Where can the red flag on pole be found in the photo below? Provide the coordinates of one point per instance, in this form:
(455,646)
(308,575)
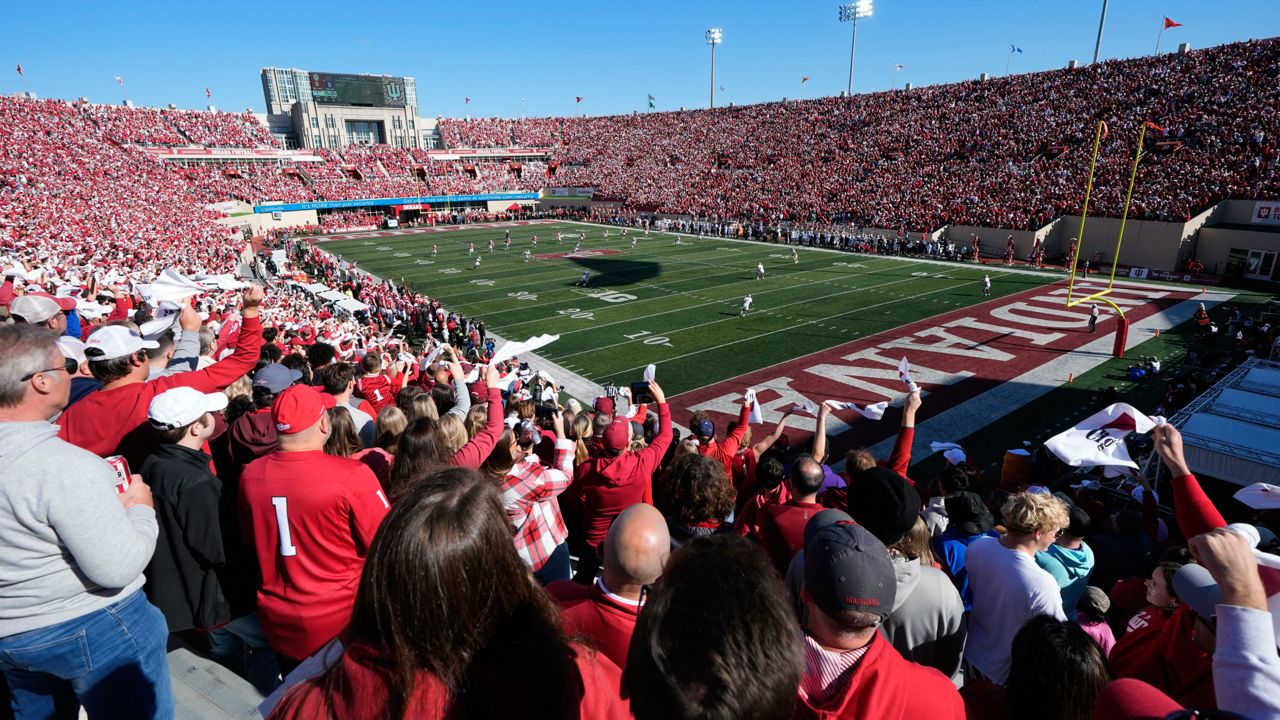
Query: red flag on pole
(467,100)
(1153,126)
(577,98)
(206,91)
(1171,24)
(20,69)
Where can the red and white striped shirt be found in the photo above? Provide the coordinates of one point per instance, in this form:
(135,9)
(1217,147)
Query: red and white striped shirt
(529,495)
(827,674)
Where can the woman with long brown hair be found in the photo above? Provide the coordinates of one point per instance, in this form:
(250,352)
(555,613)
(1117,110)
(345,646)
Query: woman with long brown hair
(448,623)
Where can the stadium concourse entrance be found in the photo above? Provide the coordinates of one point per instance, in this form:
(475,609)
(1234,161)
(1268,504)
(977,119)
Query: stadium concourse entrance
(366,132)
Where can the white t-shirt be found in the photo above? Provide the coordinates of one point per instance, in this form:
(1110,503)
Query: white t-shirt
(1008,590)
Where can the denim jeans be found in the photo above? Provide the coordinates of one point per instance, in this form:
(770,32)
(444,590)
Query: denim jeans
(556,567)
(242,647)
(112,661)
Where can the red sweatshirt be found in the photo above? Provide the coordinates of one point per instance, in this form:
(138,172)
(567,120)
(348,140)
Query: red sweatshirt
(724,450)
(608,621)
(379,390)
(363,679)
(473,454)
(886,686)
(782,530)
(613,484)
(111,422)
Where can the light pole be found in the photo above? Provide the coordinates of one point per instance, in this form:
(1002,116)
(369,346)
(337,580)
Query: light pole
(714,37)
(850,13)
(1102,20)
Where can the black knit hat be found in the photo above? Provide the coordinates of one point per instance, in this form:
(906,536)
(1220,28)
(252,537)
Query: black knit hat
(884,503)
(966,513)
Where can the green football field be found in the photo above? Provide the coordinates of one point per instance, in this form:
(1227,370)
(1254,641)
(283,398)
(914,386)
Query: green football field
(673,306)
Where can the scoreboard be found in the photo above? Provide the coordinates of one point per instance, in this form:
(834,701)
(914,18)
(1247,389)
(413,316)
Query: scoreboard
(362,90)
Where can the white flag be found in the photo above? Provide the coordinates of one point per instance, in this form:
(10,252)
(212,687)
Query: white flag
(754,416)
(1099,439)
(904,372)
(874,411)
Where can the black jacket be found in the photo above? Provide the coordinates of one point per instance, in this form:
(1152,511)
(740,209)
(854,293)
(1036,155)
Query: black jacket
(182,579)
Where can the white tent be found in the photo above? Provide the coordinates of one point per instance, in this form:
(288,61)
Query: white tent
(1232,431)
(334,296)
(351,305)
(317,288)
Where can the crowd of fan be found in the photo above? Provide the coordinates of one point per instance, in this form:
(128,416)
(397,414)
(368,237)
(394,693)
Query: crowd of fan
(1011,152)
(377,515)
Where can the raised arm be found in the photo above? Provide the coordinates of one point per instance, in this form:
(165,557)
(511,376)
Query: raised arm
(820,433)
(1194,510)
(226,371)
(733,440)
(900,459)
(478,448)
(763,446)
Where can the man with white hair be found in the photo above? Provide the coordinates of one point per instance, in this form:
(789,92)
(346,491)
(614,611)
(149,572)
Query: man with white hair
(75,627)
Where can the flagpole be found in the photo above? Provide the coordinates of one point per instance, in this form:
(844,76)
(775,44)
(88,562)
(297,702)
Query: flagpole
(1159,36)
(1007,61)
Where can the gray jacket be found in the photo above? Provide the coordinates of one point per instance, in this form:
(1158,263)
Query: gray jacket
(927,623)
(69,546)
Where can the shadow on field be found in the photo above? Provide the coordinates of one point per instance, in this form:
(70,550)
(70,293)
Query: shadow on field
(618,271)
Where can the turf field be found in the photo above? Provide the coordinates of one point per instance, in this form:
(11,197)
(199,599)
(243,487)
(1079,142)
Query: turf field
(673,306)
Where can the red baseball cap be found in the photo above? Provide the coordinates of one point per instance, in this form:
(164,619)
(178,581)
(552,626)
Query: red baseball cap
(604,404)
(298,408)
(618,435)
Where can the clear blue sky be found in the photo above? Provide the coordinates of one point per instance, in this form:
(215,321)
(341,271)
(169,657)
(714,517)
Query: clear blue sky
(613,54)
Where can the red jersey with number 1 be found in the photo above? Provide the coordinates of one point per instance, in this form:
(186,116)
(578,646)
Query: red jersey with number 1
(379,390)
(310,518)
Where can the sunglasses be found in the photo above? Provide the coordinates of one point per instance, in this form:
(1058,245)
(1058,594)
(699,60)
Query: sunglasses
(70,366)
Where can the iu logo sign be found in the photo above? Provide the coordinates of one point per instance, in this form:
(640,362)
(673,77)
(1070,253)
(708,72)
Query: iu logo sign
(394,91)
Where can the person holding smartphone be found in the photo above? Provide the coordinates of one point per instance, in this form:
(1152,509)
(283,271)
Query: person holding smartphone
(619,478)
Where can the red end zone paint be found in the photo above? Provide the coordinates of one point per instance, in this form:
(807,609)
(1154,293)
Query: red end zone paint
(954,357)
(580,254)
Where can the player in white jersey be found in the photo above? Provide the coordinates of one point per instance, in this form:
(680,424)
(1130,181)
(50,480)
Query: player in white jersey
(506,244)
(746,305)
(586,276)
(576,247)
(434,250)
(490,245)
(760,271)
(633,241)
(508,235)
(677,241)
(795,257)
(471,248)
(527,255)
(986,285)
(559,236)
(477,265)
(535,241)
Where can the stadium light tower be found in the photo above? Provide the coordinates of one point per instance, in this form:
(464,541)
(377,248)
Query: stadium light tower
(714,37)
(851,13)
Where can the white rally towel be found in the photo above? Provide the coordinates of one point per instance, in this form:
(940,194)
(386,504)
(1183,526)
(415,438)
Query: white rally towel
(171,286)
(1260,496)
(650,373)
(1099,439)
(951,451)
(224,281)
(514,349)
(874,411)
(808,407)
(754,415)
(904,372)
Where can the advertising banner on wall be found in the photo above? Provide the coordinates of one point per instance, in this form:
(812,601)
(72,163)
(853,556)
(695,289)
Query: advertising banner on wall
(1266,212)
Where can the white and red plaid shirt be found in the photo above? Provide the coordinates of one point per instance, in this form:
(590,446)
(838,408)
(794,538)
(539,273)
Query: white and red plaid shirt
(529,495)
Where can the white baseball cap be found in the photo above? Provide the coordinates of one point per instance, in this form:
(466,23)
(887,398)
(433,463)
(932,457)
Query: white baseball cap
(182,406)
(72,348)
(115,341)
(34,308)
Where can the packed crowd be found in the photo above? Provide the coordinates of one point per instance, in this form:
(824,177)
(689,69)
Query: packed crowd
(383,514)
(1011,152)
